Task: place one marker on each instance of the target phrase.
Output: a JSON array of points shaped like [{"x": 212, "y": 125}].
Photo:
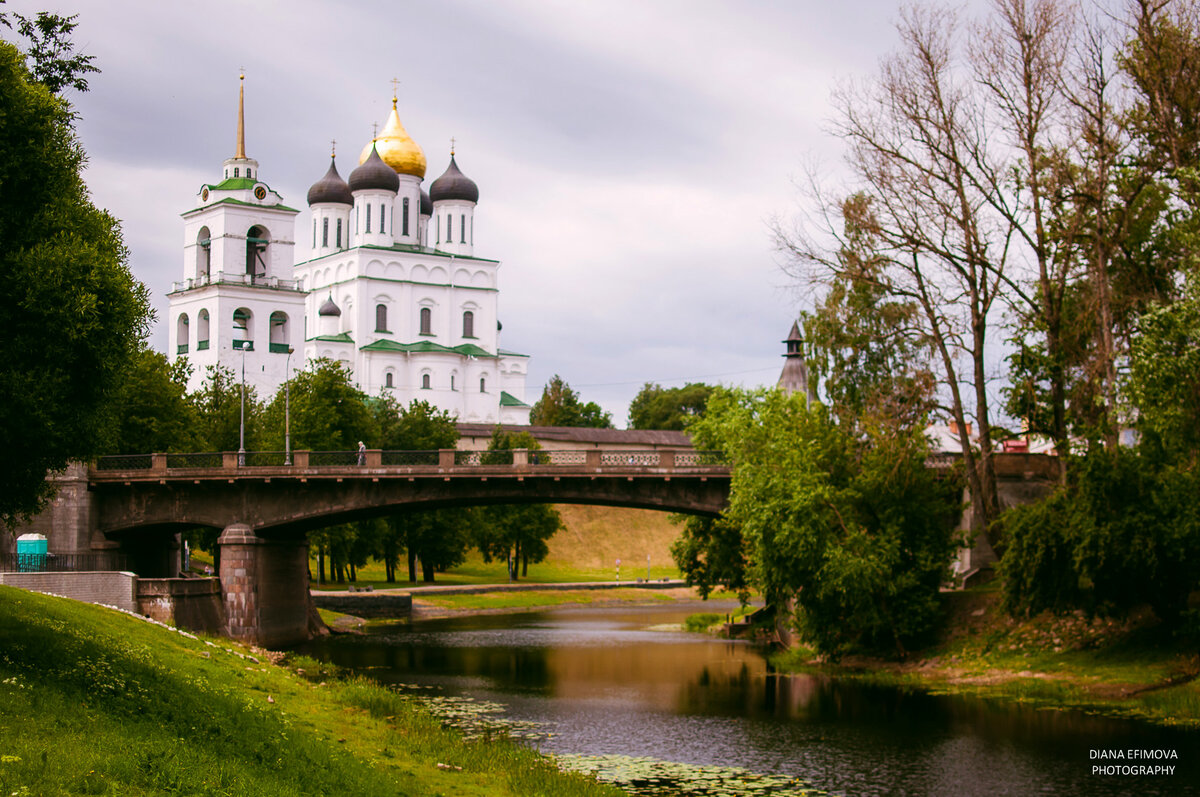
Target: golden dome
[{"x": 396, "y": 148}]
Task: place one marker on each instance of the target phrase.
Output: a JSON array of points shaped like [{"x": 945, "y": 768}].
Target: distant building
[
  {"x": 393, "y": 289},
  {"x": 794, "y": 378}
]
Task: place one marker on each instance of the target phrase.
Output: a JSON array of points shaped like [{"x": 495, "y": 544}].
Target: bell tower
[{"x": 238, "y": 303}]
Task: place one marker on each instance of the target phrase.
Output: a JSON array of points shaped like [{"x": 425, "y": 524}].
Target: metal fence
[
  {"x": 208, "y": 459},
  {"x": 62, "y": 562},
  {"x": 125, "y": 462},
  {"x": 408, "y": 458}
]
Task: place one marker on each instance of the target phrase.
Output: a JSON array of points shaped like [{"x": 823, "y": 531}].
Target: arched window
[
  {"x": 243, "y": 329},
  {"x": 256, "y": 252},
  {"x": 382, "y": 217},
  {"x": 482, "y": 384},
  {"x": 202, "y": 330},
  {"x": 368, "y": 227},
  {"x": 426, "y": 321},
  {"x": 203, "y": 252},
  {"x": 468, "y": 324},
  {"x": 452, "y": 387},
  {"x": 381, "y": 318},
  {"x": 462, "y": 228},
  {"x": 449, "y": 229},
  {"x": 424, "y": 381},
  {"x": 279, "y": 332},
  {"x": 181, "y": 334},
  {"x": 236, "y": 171},
  {"x": 339, "y": 233},
  {"x": 387, "y": 379},
  {"x": 404, "y": 217},
  {"x": 325, "y": 231}
]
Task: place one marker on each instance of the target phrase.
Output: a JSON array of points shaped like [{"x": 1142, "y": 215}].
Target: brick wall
[{"x": 108, "y": 588}]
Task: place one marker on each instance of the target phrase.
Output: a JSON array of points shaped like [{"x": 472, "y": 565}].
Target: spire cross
[
  {"x": 395, "y": 82},
  {"x": 451, "y": 146},
  {"x": 332, "y": 147},
  {"x": 374, "y": 130}
]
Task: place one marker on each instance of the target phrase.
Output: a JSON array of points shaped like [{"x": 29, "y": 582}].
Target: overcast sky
[{"x": 630, "y": 155}]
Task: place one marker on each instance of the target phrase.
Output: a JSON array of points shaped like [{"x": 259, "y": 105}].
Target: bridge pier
[{"x": 264, "y": 586}]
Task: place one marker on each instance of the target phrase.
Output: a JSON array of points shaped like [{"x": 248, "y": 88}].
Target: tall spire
[{"x": 241, "y": 130}]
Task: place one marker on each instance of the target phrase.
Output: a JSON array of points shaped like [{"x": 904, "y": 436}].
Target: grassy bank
[
  {"x": 1131, "y": 668},
  {"x": 587, "y": 549},
  {"x": 93, "y": 701}
]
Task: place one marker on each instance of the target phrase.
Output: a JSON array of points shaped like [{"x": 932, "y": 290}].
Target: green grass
[
  {"x": 587, "y": 549},
  {"x": 535, "y": 598},
  {"x": 1133, "y": 667},
  {"x": 93, "y": 701}
]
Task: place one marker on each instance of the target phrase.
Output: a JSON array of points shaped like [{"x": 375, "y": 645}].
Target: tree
[
  {"x": 218, "y": 411},
  {"x": 438, "y": 539},
  {"x": 153, "y": 413},
  {"x": 73, "y": 316},
  {"x": 515, "y": 533},
  {"x": 867, "y": 350},
  {"x": 56, "y": 65},
  {"x": 656, "y": 407},
  {"x": 560, "y": 406},
  {"x": 328, "y": 411},
  {"x": 848, "y": 524},
  {"x": 418, "y": 427}
]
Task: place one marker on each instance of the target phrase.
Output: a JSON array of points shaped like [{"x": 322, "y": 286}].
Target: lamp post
[
  {"x": 242, "y": 423},
  {"x": 287, "y": 410}
]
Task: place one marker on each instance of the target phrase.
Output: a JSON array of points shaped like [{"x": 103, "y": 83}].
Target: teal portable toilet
[{"x": 31, "y": 553}]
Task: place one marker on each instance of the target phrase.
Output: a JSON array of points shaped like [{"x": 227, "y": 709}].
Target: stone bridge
[{"x": 265, "y": 503}]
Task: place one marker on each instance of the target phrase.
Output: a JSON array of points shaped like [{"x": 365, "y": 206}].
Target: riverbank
[
  {"x": 95, "y": 701},
  {"x": 437, "y": 602},
  {"x": 1132, "y": 668}
]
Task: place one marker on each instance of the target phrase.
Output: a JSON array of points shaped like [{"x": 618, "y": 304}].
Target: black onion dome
[
  {"x": 454, "y": 185},
  {"x": 374, "y": 173},
  {"x": 426, "y": 204},
  {"x": 330, "y": 188},
  {"x": 329, "y": 308}
]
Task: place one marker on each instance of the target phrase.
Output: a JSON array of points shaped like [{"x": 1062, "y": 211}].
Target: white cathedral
[{"x": 393, "y": 291}]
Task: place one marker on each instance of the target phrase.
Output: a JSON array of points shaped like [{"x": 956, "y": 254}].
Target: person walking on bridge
[{"x": 362, "y": 453}]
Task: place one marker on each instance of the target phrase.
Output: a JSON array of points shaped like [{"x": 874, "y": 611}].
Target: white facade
[{"x": 414, "y": 313}]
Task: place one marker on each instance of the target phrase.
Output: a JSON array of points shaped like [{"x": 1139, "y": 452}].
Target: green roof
[
  {"x": 234, "y": 184},
  {"x": 509, "y": 400},
  {"x": 341, "y": 337},
  {"x": 507, "y": 353},
  {"x": 426, "y": 346},
  {"x": 471, "y": 350}
]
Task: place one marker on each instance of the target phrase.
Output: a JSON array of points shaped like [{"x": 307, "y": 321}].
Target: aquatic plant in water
[{"x": 649, "y": 777}]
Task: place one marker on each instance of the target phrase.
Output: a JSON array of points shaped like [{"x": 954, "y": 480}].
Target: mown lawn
[{"x": 93, "y": 701}]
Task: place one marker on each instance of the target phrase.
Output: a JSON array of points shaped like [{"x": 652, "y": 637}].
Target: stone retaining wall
[{"x": 108, "y": 588}]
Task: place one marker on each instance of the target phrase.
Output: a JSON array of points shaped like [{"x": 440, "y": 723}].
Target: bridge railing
[{"x": 375, "y": 458}]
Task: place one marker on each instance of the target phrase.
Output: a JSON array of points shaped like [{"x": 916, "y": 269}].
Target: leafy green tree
[
  {"x": 55, "y": 65},
  {"x": 1164, "y": 378},
  {"x": 711, "y": 553},
  {"x": 560, "y": 406},
  {"x": 847, "y": 523},
  {"x": 656, "y": 407},
  {"x": 1124, "y": 531},
  {"x": 515, "y": 533},
  {"x": 418, "y": 427},
  {"x": 218, "y": 411},
  {"x": 864, "y": 346},
  {"x": 153, "y": 413},
  {"x": 73, "y": 316},
  {"x": 437, "y": 539},
  {"x": 328, "y": 411}
]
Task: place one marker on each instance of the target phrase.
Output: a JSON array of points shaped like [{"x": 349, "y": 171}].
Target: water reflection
[{"x": 606, "y": 682}]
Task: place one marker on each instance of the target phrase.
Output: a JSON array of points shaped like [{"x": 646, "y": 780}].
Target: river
[{"x": 618, "y": 682}]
